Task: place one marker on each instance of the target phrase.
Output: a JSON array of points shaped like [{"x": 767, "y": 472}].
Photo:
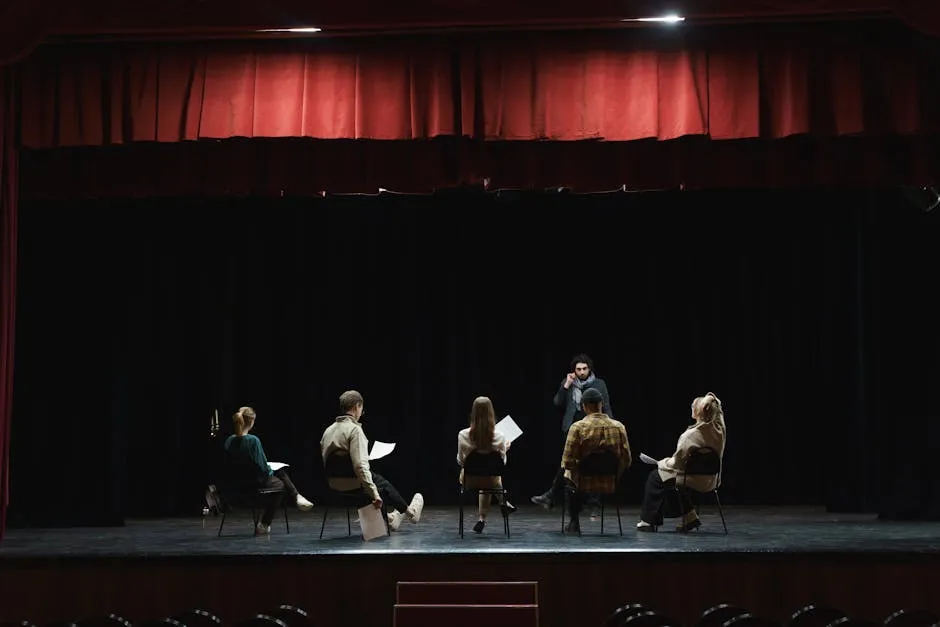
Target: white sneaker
[
  {"x": 303, "y": 504},
  {"x": 394, "y": 520},
  {"x": 262, "y": 530},
  {"x": 414, "y": 510}
]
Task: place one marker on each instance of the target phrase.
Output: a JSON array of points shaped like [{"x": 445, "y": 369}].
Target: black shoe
[
  {"x": 510, "y": 508},
  {"x": 689, "y": 526},
  {"x": 478, "y": 528},
  {"x": 545, "y": 500},
  {"x": 574, "y": 526}
]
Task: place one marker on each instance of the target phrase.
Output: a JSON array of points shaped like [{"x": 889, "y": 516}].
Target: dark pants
[
  {"x": 556, "y": 493},
  {"x": 659, "y": 500},
  {"x": 272, "y": 502},
  {"x": 390, "y": 496},
  {"x": 577, "y": 499}
]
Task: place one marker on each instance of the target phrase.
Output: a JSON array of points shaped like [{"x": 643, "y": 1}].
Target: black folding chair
[
  {"x": 339, "y": 466},
  {"x": 596, "y": 465},
  {"x": 483, "y": 466},
  {"x": 702, "y": 462}
]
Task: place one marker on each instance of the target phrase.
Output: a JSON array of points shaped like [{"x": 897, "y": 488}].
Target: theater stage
[{"x": 773, "y": 561}]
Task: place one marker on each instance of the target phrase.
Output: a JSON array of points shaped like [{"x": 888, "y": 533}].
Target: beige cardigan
[{"x": 701, "y": 434}]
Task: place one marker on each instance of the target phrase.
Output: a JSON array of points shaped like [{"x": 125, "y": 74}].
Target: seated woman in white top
[
  {"x": 707, "y": 430},
  {"x": 482, "y": 436}
]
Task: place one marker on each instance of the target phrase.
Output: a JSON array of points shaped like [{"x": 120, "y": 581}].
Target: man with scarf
[{"x": 580, "y": 378}]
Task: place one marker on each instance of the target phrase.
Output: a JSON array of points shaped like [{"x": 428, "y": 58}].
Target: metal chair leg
[
  {"x": 286, "y": 521},
  {"x": 602, "y": 515},
  {"x": 323, "y": 524},
  {"x": 348, "y": 523},
  {"x": 462, "y": 495},
  {"x": 219, "y": 535},
  {"x": 506, "y": 511},
  {"x": 720, "y": 512},
  {"x": 619, "y": 524}
]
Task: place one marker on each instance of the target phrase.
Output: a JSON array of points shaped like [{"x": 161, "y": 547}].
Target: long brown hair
[
  {"x": 482, "y": 423},
  {"x": 243, "y": 419}
]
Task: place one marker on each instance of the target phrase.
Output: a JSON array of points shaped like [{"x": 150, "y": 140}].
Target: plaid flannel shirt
[{"x": 595, "y": 432}]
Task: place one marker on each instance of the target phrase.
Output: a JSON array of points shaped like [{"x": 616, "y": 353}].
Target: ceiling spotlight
[
  {"x": 311, "y": 29},
  {"x": 665, "y": 19}
]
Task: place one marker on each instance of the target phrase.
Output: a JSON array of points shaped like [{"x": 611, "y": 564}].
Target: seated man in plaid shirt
[{"x": 594, "y": 433}]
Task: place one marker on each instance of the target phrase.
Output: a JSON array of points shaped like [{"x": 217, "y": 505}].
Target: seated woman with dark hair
[
  {"x": 244, "y": 450},
  {"x": 707, "y": 431}
]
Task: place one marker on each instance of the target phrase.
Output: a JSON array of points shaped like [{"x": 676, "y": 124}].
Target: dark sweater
[{"x": 246, "y": 453}]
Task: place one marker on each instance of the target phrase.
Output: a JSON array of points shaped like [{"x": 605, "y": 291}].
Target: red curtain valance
[{"x": 728, "y": 83}]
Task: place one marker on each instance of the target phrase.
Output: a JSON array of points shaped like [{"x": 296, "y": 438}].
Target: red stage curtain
[
  {"x": 8, "y": 201},
  {"x": 726, "y": 83}
]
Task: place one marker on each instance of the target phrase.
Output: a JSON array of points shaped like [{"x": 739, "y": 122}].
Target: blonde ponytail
[{"x": 243, "y": 419}]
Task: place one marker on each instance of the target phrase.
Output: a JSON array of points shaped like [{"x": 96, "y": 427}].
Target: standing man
[{"x": 580, "y": 377}]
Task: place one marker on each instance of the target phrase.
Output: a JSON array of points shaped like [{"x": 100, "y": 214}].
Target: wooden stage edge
[{"x": 575, "y": 588}]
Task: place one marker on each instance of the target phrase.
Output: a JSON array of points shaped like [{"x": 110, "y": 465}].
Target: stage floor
[{"x": 534, "y": 531}]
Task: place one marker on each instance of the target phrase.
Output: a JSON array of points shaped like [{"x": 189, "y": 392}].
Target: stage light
[
  {"x": 309, "y": 29},
  {"x": 665, "y": 19}
]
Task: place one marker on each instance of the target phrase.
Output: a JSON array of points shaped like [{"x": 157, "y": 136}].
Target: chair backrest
[
  {"x": 198, "y": 618},
  {"x": 718, "y": 615},
  {"x": 339, "y": 466},
  {"x": 621, "y": 614},
  {"x": 262, "y": 620},
  {"x": 479, "y": 464},
  {"x": 291, "y": 616},
  {"x": 749, "y": 620},
  {"x": 912, "y": 618},
  {"x": 111, "y": 620},
  {"x": 599, "y": 464},
  {"x": 650, "y": 619},
  {"x": 240, "y": 472},
  {"x": 813, "y": 615},
  {"x": 703, "y": 461},
  {"x": 852, "y": 622}
]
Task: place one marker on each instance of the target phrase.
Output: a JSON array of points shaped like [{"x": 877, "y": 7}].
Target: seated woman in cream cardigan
[
  {"x": 481, "y": 436},
  {"x": 708, "y": 430}
]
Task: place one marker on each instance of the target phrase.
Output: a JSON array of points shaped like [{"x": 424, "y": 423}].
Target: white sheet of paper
[
  {"x": 371, "y": 523},
  {"x": 275, "y": 466},
  {"x": 646, "y": 459},
  {"x": 381, "y": 449},
  {"x": 508, "y": 427}
]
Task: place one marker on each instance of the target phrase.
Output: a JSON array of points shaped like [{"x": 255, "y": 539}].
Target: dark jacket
[{"x": 573, "y": 411}]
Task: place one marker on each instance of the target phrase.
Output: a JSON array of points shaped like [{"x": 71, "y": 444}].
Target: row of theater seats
[
  {"x": 727, "y": 615},
  {"x": 282, "y": 616}
]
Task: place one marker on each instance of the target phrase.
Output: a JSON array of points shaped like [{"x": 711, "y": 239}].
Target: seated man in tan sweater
[
  {"x": 594, "y": 433},
  {"x": 345, "y": 437}
]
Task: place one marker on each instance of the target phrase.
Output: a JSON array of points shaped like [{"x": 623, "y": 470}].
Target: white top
[{"x": 465, "y": 446}]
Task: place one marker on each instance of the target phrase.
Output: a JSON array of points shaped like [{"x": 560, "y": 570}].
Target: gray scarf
[{"x": 579, "y": 386}]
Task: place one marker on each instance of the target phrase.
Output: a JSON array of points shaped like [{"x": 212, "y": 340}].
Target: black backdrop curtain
[{"x": 810, "y": 313}]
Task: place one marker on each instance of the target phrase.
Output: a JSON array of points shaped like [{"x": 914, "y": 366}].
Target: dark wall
[{"x": 809, "y": 313}]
